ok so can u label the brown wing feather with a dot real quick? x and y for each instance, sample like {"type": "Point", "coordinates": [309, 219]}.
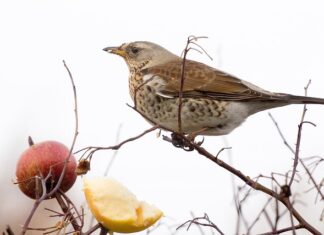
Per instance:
{"type": "Point", "coordinates": [204, 81]}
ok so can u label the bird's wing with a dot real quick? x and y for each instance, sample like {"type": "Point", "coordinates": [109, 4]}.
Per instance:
{"type": "Point", "coordinates": [202, 81]}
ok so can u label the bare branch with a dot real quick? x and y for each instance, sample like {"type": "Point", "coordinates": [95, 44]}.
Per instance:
{"type": "Point", "coordinates": [255, 185]}
{"type": "Point", "coordinates": [113, 157]}
{"type": "Point", "coordinates": [316, 185]}
{"type": "Point", "coordinates": [89, 151]}
{"type": "Point", "coordinates": [92, 229]}
{"type": "Point", "coordinates": [57, 186]}
{"type": "Point", "coordinates": [196, 221]}
{"type": "Point", "coordinates": [283, 230]}
{"type": "Point", "coordinates": [8, 231]}
{"type": "Point", "coordinates": [103, 231]}
{"type": "Point", "coordinates": [281, 134]}
{"type": "Point", "coordinates": [199, 227]}
{"type": "Point", "coordinates": [190, 40]}
{"type": "Point", "coordinates": [259, 215]}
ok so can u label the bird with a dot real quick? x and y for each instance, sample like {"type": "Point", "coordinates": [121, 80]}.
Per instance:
{"type": "Point", "coordinates": [212, 102]}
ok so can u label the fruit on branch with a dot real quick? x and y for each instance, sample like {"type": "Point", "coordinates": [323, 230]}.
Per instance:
{"type": "Point", "coordinates": [83, 167]}
{"type": "Point", "coordinates": [42, 161]}
{"type": "Point", "coordinates": [116, 208]}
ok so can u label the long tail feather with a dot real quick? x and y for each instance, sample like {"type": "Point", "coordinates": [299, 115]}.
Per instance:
{"type": "Point", "coordinates": [295, 99]}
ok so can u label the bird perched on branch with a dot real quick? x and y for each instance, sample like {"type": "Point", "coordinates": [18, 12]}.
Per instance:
{"type": "Point", "coordinates": [212, 102]}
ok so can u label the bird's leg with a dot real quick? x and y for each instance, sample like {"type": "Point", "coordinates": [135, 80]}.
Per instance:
{"type": "Point", "coordinates": [185, 141]}
{"type": "Point", "coordinates": [194, 134]}
{"type": "Point", "coordinates": [179, 141]}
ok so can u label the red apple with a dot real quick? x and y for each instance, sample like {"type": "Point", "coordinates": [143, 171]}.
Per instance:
{"type": "Point", "coordinates": [38, 160]}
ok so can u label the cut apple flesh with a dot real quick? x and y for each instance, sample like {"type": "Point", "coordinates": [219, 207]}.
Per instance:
{"type": "Point", "coordinates": [116, 208]}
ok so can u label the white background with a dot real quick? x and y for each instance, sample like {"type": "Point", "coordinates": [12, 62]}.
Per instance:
{"type": "Point", "coordinates": [277, 45]}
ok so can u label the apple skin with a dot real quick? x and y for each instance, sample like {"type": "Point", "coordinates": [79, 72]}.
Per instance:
{"type": "Point", "coordinates": [37, 161]}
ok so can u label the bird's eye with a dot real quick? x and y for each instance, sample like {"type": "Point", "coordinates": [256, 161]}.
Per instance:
{"type": "Point", "coordinates": [134, 50]}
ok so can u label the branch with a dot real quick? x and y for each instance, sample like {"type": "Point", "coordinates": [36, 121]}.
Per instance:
{"type": "Point", "coordinates": [300, 126]}
{"type": "Point", "coordinates": [316, 185]}
{"type": "Point", "coordinates": [190, 40]}
{"type": "Point", "coordinates": [46, 194]}
{"type": "Point", "coordinates": [283, 230]}
{"type": "Point", "coordinates": [76, 132]}
{"type": "Point", "coordinates": [89, 151]}
{"type": "Point", "coordinates": [255, 185]}
{"type": "Point", "coordinates": [67, 210]}
{"type": "Point", "coordinates": [103, 230]}
{"type": "Point", "coordinates": [35, 206]}
{"type": "Point", "coordinates": [8, 231]}
{"type": "Point", "coordinates": [196, 221]}
{"type": "Point", "coordinates": [281, 134]}
{"type": "Point", "coordinates": [259, 215]}
{"type": "Point", "coordinates": [91, 230]}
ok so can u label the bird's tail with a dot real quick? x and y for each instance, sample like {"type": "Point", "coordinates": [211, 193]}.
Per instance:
{"type": "Point", "coordinates": [295, 99]}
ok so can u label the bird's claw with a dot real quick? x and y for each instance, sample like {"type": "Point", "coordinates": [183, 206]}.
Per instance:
{"type": "Point", "coordinates": [182, 141]}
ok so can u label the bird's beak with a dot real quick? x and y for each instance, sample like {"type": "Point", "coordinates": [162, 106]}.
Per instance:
{"type": "Point", "coordinates": [115, 50]}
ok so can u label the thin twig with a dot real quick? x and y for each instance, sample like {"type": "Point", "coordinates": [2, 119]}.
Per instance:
{"type": "Point", "coordinates": [299, 135]}
{"type": "Point", "coordinates": [292, 221]}
{"type": "Point", "coordinates": [281, 134]}
{"type": "Point", "coordinates": [92, 149]}
{"type": "Point", "coordinates": [277, 217]}
{"type": "Point", "coordinates": [199, 227]}
{"type": "Point", "coordinates": [56, 213]}
{"type": "Point", "coordinates": [186, 50]}
{"type": "Point", "coordinates": [76, 132]}
{"type": "Point", "coordinates": [92, 229]}
{"type": "Point", "coordinates": [57, 186]}
{"type": "Point", "coordinates": [296, 158]}
{"type": "Point", "coordinates": [316, 185]}
{"type": "Point", "coordinates": [259, 215]}
{"type": "Point", "coordinates": [113, 157]}
{"type": "Point", "coordinates": [70, 202]}
{"type": "Point", "coordinates": [9, 230]}
{"type": "Point", "coordinates": [103, 231]}
{"type": "Point", "coordinates": [283, 230]}
{"type": "Point", "coordinates": [196, 221]}
{"type": "Point", "coordinates": [34, 208]}
{"type": "Point", "coordinates": [190, 40]}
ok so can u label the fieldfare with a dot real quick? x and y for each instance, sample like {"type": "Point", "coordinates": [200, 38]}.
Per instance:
{"type": "Point", "coordinates": [213, 102]}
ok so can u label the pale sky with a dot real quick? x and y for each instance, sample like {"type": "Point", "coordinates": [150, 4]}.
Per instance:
{"type": "Point", "coordinates": [277, 45]}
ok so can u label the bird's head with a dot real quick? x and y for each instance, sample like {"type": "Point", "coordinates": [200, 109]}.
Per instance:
{"type": "Point", "coordinates": [141, 54]}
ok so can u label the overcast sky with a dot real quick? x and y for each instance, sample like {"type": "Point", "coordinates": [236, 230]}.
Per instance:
{"type": "Point", "coordinates": [277, 45]}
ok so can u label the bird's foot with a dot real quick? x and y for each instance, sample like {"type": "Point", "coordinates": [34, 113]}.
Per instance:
{"type": "Point", "coordinates": [181, 141]}
{"type": "Point", "coordinates": [186, 142]}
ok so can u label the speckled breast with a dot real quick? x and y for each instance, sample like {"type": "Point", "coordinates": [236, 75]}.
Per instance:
{"type": "Point", "coordinates": [196, 113]}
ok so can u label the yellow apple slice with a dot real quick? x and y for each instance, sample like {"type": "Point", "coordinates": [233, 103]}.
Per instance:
{"type": "Point", "coordinates": [116, 208]}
